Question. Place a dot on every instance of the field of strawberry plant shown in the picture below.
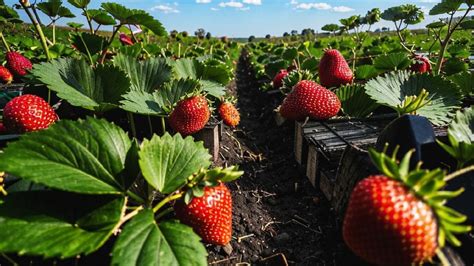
(139, 146)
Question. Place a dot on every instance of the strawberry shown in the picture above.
(398, 217)
(334, 70)
(229, 114)
(125, 39)
(210, 215)
(28, 113)
(18, 64)
(5, 75)
(421, 65)
(278, 79)
(190, 115)
(308, 98)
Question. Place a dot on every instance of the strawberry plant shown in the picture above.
(87, 174)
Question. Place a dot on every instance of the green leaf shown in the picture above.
(79, 3)
(408, 13)
(391, 62)
(465, 82)
(56, 224)
(212, 77)
(436, 25)
(454, 66)
(144, 242)
(99, 89)
(134, 17)
(9, 14)
(88, 44)
(364, 72)
(467, 24)
(355, 102)
(50, 8)
(101, 17)
(462, 128)
(160, 102)
(85, 156)
(310, 63)
(141, 102)
(145, 76)
(446, 6)
(167, 161)
(392, 89)
(213, 88)
(290, 54)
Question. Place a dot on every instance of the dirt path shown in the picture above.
(275, 208)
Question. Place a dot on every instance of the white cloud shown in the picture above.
(319, 6)
(203, 1)
(253, 2)
(166, 8)
(342, 9)
(293, 2)
(231, 4)
(244, 8)
(214, 9)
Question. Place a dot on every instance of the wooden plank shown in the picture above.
(210, 136)
(354, 165)
(327, 182)
(312, 166)
(298, 144)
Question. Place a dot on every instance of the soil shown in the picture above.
(275, 209)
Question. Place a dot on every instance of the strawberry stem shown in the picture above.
(169, 198)
(442, 258)
(5, 42)
(458, 173)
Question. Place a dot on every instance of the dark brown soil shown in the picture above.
(276, 210)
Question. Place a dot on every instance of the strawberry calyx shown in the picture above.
(209, 178)
(426, 185)
(293, 78)
(413, 103)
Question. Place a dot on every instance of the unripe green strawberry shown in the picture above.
(18, 64)
(210, 215)
(190, 115)
(6, 76)
(229, 114)
(334, 70)
(28, 113)
(309, 99)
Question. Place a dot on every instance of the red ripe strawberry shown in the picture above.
(421, 65)
(5, 75)
(383, 214)
(190, 115)
(399, 217)
(229, 114)
(210, 215)
(125, 39)
(308, 98)
(278, 79)
(28, 113)
(334, 70)
(18, 64)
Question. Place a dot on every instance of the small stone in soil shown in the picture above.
(282, 237)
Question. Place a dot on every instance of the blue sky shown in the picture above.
(242, 18)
